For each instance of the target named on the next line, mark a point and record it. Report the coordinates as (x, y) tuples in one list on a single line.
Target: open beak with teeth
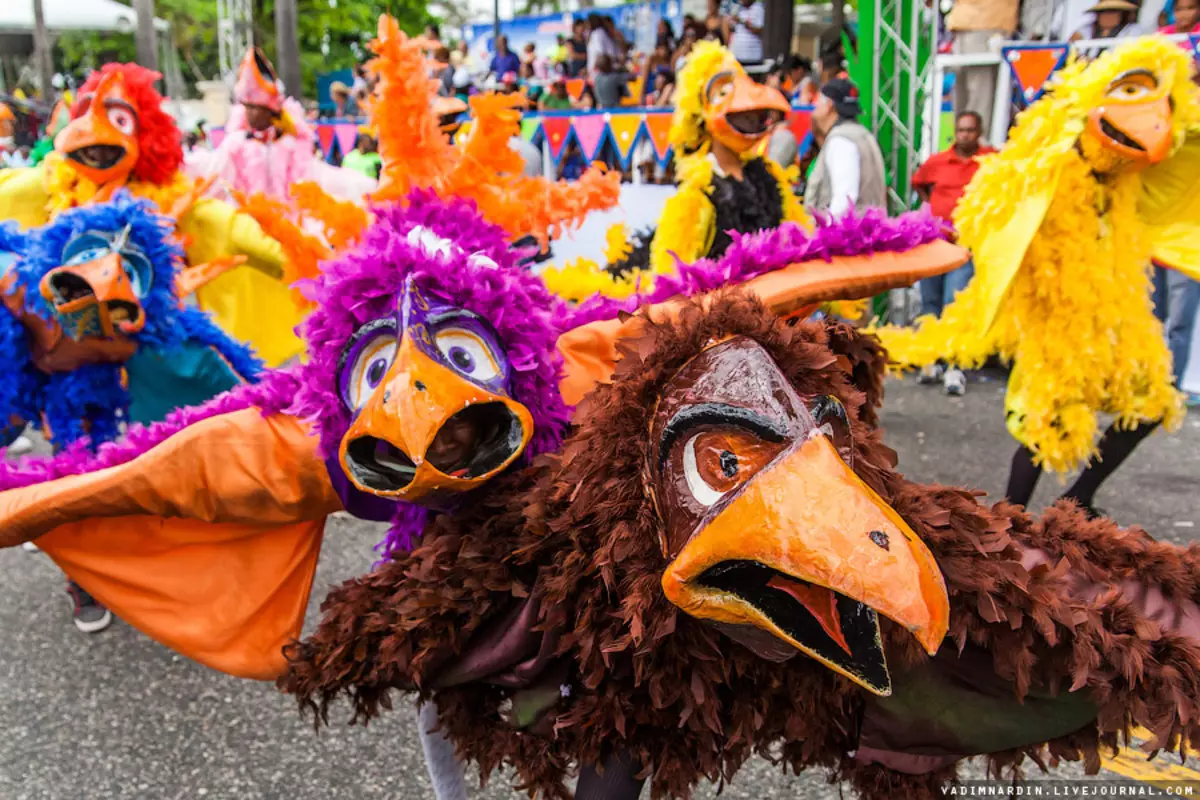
[(95, 298), (93, 144), (741, 112), (428, 433)]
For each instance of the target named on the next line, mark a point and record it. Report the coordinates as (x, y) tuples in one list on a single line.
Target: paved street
[(117, 716)]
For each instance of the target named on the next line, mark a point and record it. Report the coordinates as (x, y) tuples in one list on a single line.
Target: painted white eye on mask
[(430, 242)]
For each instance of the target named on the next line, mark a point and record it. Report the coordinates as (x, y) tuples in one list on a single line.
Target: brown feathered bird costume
[(723, 561)]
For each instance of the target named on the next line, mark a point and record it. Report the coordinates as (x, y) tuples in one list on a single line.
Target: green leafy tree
[(333, 35)]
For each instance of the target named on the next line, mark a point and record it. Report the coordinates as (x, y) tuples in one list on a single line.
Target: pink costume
[(270, 161)]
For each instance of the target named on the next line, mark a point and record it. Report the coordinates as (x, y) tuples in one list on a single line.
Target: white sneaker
[(955, 382), (20, 446), (30, 547), (930, 374)]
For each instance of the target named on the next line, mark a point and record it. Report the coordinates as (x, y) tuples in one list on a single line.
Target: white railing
[(1002, 102)]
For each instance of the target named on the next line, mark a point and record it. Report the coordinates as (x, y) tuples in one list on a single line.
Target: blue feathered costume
[(92, 332)]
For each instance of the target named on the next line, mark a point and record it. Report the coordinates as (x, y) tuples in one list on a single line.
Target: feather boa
[(66, 188)]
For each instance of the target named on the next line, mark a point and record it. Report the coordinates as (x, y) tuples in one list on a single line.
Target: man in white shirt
[(849, 172), (746, 42)]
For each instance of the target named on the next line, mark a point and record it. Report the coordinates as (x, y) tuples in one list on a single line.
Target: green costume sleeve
[(217, 229)]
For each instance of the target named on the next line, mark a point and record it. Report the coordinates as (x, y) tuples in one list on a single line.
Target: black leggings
[(1115, 446)]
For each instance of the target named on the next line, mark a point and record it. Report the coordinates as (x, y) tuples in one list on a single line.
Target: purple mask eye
[(469, 353), (461, 358), (366, 360)]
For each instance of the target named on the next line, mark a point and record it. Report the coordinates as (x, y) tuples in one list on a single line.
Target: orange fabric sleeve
[(206, 543), (590, 351)]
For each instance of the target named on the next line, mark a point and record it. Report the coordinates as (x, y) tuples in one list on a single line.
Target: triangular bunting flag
[(347, 135), (556, 129), (575, 88), (529, 128), (325, 137), (589, 132), (623, 129), (1032, 66), (800, 121), (658, 127)]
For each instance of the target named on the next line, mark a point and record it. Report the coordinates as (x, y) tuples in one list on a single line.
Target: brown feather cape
[(1041, 607)]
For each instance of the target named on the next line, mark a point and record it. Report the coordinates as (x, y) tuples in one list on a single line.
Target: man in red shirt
[(940, 182)]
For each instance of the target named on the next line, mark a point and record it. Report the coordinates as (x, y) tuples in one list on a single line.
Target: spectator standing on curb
[(849, 171), (505, 61), (747, 25), (941, 182), (975, 24)]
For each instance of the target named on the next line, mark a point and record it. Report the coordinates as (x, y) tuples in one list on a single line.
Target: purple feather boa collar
[(754, 254), (272, 394)]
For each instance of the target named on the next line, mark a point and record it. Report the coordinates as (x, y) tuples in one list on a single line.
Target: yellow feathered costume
[(1097, 178), (718, 106), (119, 137)]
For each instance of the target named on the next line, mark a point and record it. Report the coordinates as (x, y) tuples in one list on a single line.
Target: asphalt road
[(115, 715)]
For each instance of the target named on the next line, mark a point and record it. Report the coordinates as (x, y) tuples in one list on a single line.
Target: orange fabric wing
[(590, 351), (207, 543)]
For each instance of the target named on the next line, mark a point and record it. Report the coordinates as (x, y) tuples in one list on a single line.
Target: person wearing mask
[(849, 171), (746, 23), (505, 61), (975, 24), (611, 86), (941, 182), (557, 98), (577, 49)]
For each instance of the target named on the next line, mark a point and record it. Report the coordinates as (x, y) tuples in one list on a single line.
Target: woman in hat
[(1112, 19)]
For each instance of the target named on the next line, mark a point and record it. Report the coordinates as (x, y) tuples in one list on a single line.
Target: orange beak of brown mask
[(773, 537), (99, 289), (739, 112), (433, 414), (101, 142), (1134, 121)]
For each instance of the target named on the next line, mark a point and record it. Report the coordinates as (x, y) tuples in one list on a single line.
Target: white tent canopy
[(16, 16)]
